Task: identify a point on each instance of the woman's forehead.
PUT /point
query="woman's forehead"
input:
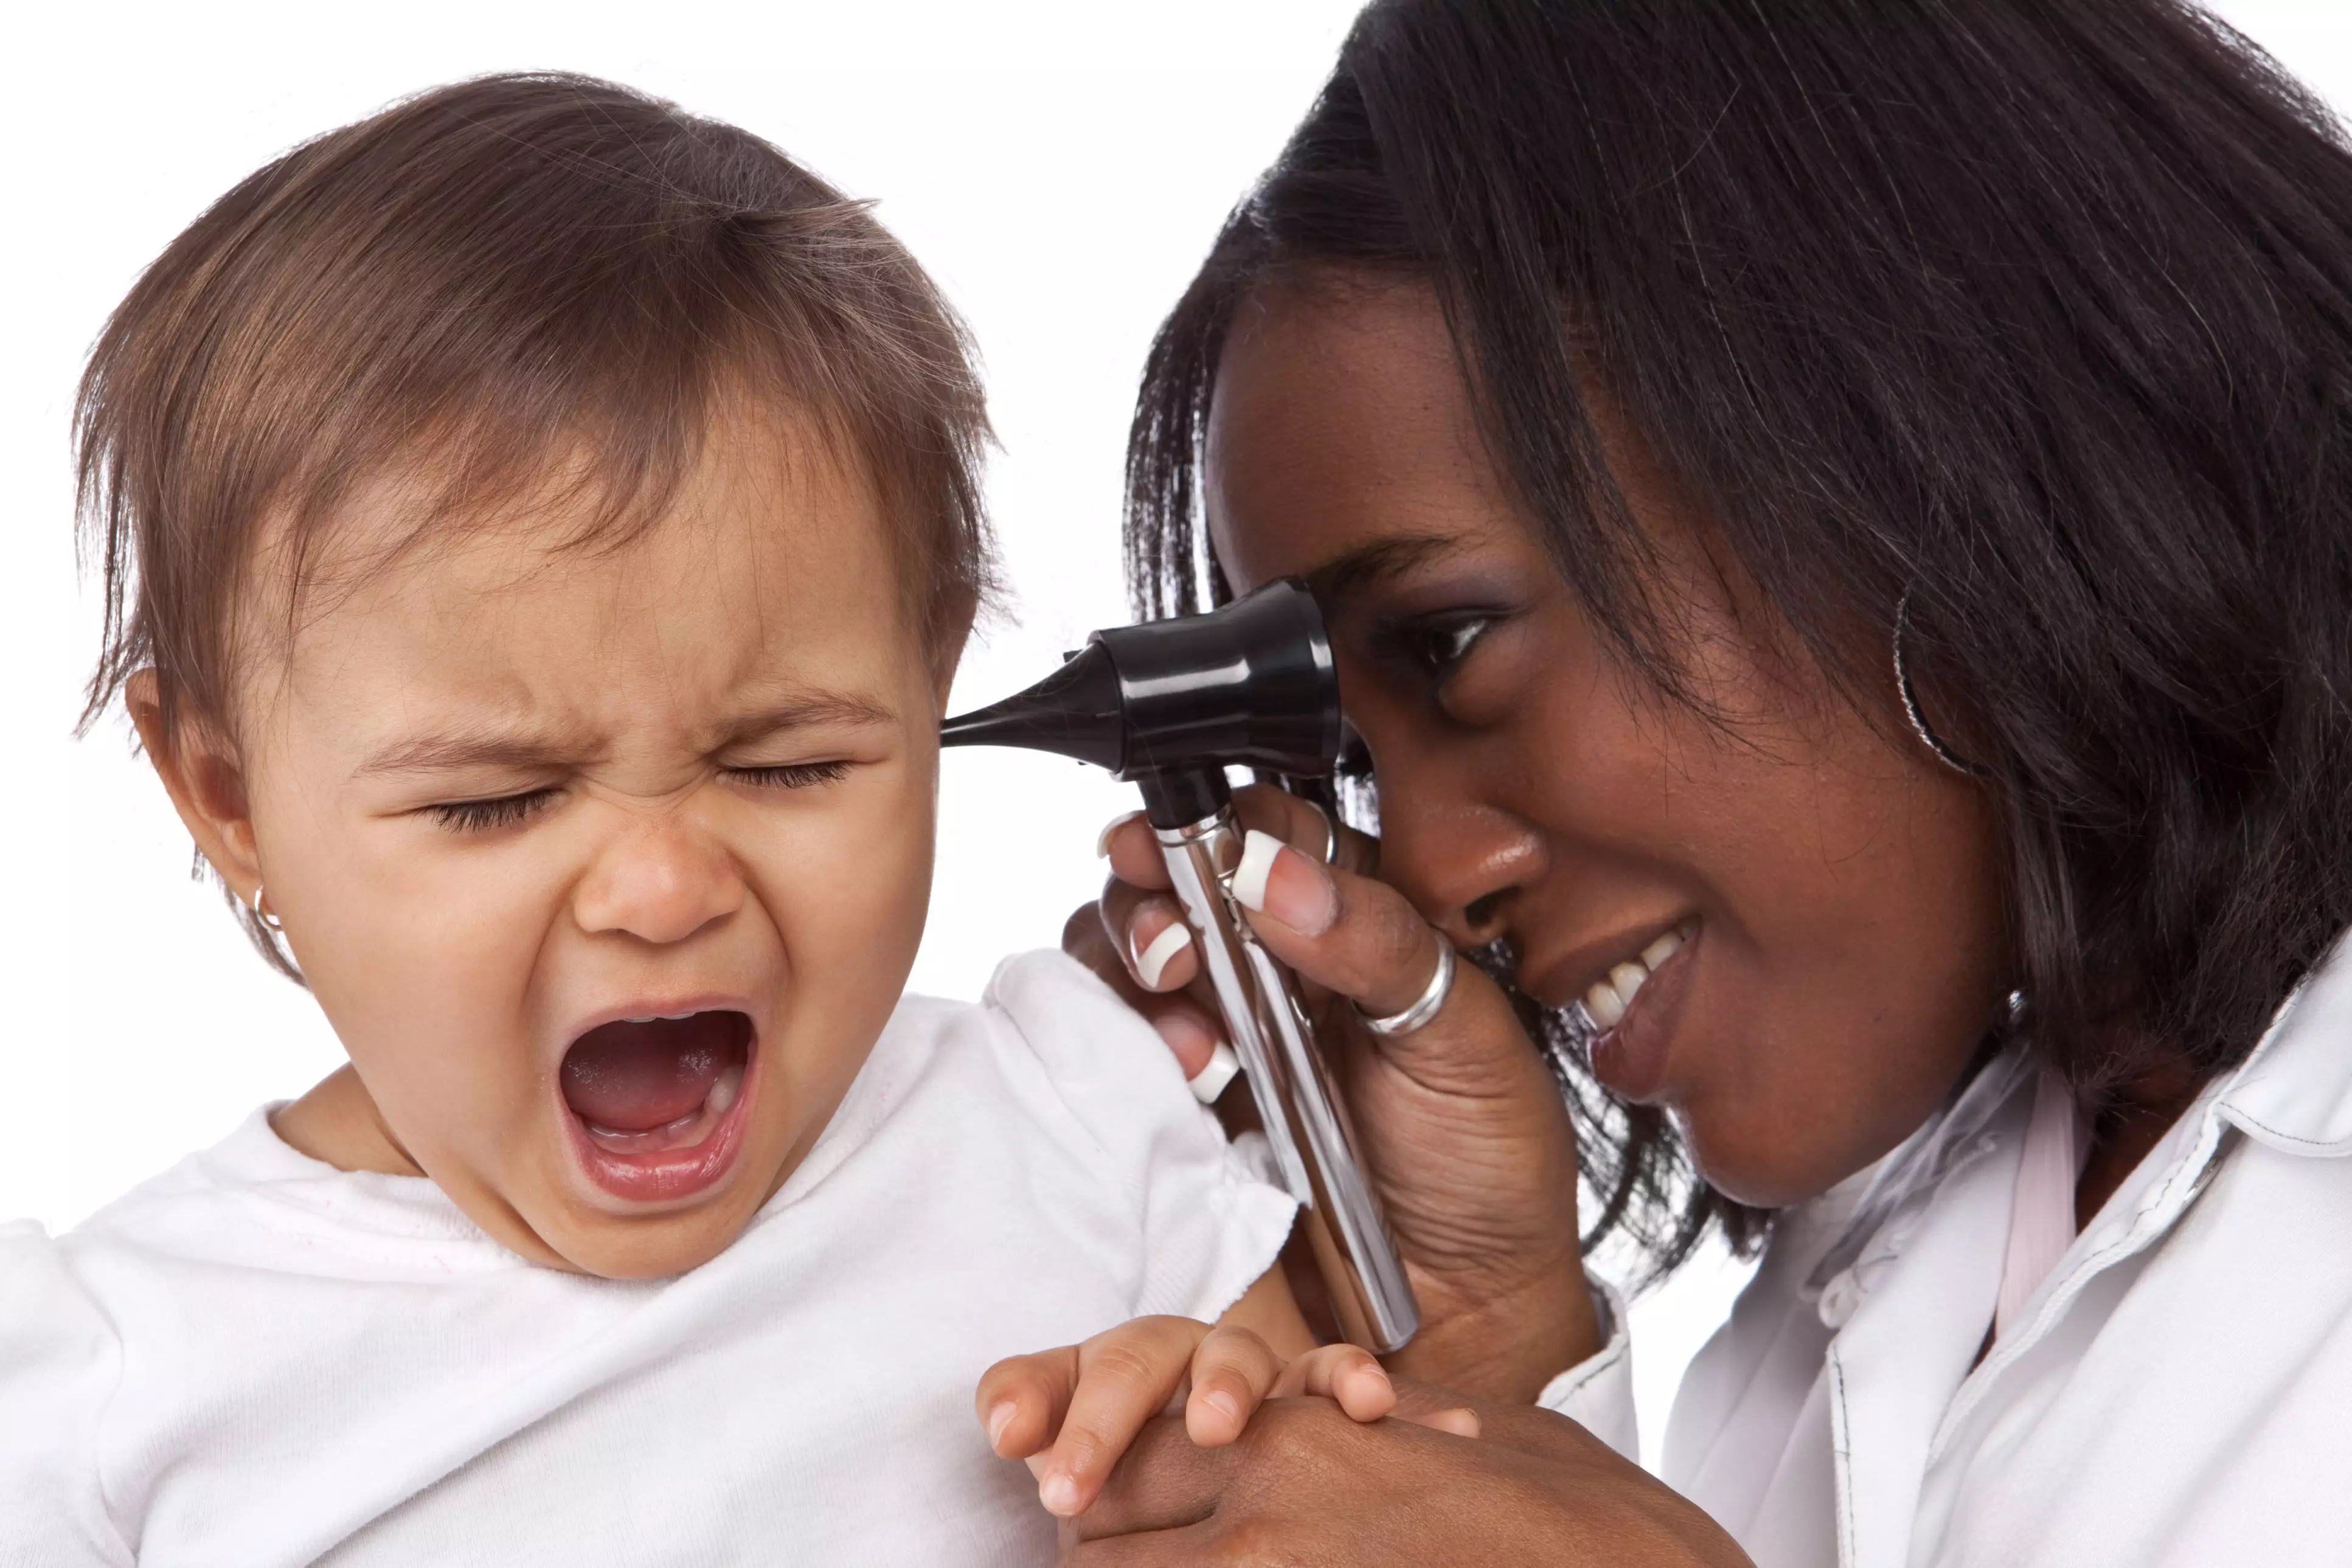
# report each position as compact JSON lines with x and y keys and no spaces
{"x":1340,"y":425}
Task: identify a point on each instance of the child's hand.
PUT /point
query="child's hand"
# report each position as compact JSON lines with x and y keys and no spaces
{"x":1072,"y":1412}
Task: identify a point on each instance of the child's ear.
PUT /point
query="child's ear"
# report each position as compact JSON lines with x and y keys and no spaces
{"x":200,"y":773}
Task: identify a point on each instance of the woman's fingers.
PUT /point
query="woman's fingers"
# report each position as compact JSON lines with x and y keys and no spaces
{"x":1183,"y":1020}
{"x":1133,"y":853}
{"x":1125,"y":1377}
{"x":1160,"y":951}
{"x":1304,"y":825}
{"x":1354,"y":935}
{"x":1232,"y":1372}
{"x":1141,"y":915}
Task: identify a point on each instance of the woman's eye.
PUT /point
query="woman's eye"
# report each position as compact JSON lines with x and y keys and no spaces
{"x":793,"y":776}
{"x":1438,"y":646}
{"x":485,"y":816}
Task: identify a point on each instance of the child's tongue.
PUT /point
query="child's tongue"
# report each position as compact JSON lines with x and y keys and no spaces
{"x":634,"y":1076}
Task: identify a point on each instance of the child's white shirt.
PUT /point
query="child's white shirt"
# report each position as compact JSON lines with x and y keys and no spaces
{"x":256,"y":1359}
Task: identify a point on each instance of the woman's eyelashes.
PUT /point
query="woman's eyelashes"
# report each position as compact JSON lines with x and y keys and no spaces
{"x":495,"y":812}
{"x":1434,"y":647}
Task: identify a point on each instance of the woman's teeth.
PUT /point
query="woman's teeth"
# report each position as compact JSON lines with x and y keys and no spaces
{"x":1607,"y":1000}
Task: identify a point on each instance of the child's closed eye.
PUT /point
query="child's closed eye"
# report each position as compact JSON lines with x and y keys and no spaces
{"x":487,"y":815}
{"x":792,"y":775}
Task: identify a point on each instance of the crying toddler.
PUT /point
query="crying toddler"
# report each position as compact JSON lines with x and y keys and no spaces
{"x":541,"y":527}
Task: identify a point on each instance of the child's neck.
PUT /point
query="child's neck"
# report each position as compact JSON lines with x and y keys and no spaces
{"x":338,"y":1122}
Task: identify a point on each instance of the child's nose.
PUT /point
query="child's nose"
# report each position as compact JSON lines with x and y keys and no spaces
{"x":660,"y":882}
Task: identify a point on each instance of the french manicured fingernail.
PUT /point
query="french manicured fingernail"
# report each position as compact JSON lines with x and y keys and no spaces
{"x":1278,"y":881}
{"x":1151,"y":962}
{"x":1224,"y":1405}
{"x":1059,"y":1493}
{"x":1189,"y":1039}
{"x":1000,"y":1416}
{"x":1102,"y":840}
{"x":1210,"y":1082}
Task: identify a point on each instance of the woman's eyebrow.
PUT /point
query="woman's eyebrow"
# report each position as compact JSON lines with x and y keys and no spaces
{"x":1368,"y":566}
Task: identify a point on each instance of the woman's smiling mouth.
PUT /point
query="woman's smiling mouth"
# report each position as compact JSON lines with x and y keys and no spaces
{"x":657,"y":1104}
{"x":1632,"y":1010}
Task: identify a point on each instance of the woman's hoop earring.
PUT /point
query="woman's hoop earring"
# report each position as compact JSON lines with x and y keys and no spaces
{"x":261,"y":910}
{"x":1944,"y":753}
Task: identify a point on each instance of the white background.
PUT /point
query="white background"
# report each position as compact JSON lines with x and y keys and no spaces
{"x":1059,"y":164}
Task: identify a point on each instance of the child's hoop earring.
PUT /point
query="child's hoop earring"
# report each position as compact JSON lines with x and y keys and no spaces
{"x":261,"y":910}
{"x":1928,"y":737}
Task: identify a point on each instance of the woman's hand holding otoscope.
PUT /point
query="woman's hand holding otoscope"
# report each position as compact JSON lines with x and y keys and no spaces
{"x":1459,"y":1124}
{"x":1450,"y":1126}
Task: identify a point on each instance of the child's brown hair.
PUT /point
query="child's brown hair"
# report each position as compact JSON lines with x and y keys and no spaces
{"x":483,"y":284}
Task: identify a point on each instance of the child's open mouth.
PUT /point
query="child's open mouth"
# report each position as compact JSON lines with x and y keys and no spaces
{"x":655,"y":1100}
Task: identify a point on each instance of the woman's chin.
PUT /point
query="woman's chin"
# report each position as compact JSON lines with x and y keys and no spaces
{"x":1749,"y":1160}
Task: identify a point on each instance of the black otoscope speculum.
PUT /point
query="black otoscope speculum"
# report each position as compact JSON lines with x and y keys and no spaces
{"x":1170,"y":705}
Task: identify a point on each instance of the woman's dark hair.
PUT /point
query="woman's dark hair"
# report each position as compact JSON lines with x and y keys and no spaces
{"x":2038,"y":310}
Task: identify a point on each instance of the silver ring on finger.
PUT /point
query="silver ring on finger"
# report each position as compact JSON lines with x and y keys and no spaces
{"x":1330,"y":832}
{"x":1427,"y":1006}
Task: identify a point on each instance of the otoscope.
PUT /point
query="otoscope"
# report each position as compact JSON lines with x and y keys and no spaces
{"x":1168,"y":705}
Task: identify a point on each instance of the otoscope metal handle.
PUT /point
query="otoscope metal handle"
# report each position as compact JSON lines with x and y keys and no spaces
{"x":1306,"y":1121}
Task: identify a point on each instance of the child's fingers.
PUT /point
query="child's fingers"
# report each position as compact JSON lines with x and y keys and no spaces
{"x":1345,"y":1374}
{"x":1461,"y":1420}
{"x":1426,"y":1405}
{"x":1125,"y":1376}
{"x":1021,"y":1400}
{"x":1232,"y":1372}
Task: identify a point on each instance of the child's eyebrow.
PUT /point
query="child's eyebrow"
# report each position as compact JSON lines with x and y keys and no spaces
{"x":461,"y":750}
{"x":807,"y":712}
{"x":449,"y":753}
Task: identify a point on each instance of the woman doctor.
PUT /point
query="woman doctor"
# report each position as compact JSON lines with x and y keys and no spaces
{"x":1836,"y":524}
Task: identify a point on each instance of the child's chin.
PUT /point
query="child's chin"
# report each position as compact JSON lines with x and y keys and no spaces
{"x":658,"y":1249}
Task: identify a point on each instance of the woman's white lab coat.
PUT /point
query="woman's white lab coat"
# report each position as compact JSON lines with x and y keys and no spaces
{"x":2178,"y":1390}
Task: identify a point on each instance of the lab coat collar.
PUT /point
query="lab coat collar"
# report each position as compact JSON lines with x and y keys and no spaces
{"x":2295,"y":1093}
{"x":1910,"y":1334}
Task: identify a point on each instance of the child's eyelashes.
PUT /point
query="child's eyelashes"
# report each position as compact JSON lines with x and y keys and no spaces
{"x":484,"y":816}
{"x":489,"y":815}
{"x":793,"y":776}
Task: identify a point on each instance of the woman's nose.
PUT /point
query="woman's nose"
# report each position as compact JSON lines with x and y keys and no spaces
{"x":659,"y":880}
{"x":1458,"y":862}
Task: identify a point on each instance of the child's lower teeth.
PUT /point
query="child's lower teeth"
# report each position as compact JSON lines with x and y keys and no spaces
{"x":683,"y":1132}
